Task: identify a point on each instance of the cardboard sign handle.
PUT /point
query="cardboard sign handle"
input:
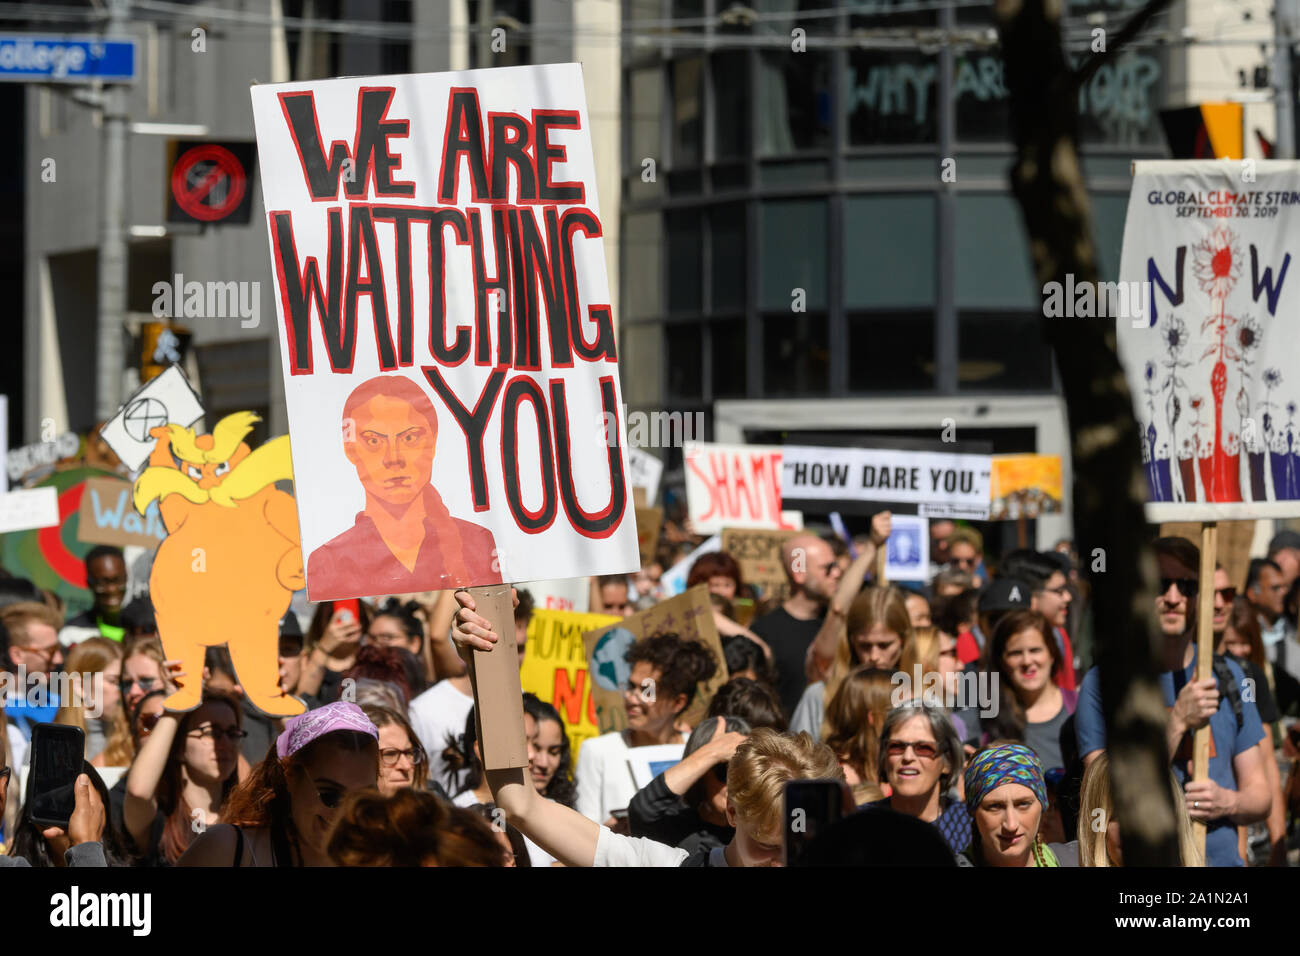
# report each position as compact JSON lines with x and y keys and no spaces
{"x":1204,"y":658}
{"x":494,"y":675}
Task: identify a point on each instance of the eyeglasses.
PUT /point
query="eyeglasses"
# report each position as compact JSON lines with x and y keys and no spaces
{"x":47,"y":654}
{"x":1060,"y":591}
{"x":1187,"y":587}
{"x":233,"y":734}
{"x":828,"y":568}
{"x":922,"y":748}
{"x":146,"y":684}
{"x":963,"y":562}
{"x":1228,"y":594}
{"x":390,"y":756}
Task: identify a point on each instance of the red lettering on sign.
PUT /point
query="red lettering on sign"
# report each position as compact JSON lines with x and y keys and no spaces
{"x":566,"y":698}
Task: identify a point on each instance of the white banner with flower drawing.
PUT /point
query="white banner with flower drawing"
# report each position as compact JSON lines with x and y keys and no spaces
{"x":1212,"y":355}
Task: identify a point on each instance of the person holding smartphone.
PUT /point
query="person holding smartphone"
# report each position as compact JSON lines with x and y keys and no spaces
{"x":333,"y":640}
{"x":77,"y":844}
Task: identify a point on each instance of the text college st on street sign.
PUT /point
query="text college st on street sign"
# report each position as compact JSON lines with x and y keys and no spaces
{"x":52,"y":59}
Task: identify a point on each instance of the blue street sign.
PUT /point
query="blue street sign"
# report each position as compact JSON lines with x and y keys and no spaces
{"x":52,"y":59}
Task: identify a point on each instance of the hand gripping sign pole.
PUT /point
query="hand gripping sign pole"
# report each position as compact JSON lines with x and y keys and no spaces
{"x":1204,"y":658}
{"x":494,"y":676}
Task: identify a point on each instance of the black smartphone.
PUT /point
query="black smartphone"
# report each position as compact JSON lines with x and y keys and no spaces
{"x":810,"y":807}
{"x":57,"y":757}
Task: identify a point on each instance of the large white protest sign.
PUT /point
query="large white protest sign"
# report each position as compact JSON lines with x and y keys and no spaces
{"x":1212,"y":355}
{"x":936,"y":484}
{"x":167,"y":399}
{"x":446,"y":330}
{"x":733,"y":486}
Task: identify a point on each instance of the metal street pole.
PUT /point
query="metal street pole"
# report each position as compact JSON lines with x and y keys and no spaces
{"x":1283,"y":96}
{"x":112,"y":236}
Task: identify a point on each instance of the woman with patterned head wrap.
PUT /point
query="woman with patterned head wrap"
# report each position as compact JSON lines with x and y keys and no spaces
{"x":1006,"y":796}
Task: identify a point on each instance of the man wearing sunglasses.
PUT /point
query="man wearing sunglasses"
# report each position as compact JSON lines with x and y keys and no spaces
{"x":29,"y":653}
{"x":1237,"y":789}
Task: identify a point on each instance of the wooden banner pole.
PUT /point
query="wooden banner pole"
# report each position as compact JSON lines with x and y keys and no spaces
{"x":1204,"y":657}
{"x":494,"y":675}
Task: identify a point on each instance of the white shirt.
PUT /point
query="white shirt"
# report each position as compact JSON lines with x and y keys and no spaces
{"x":436,"y":715}
{"x":603,"y":778}
{"x":613,"y":849}
{"x":810,"y":710}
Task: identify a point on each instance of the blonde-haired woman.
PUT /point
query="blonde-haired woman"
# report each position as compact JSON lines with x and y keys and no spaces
{"x":853,"y":721}
{"x":876,"y":631}
{"x":1099,"y":829}
{"x":94,"y":669}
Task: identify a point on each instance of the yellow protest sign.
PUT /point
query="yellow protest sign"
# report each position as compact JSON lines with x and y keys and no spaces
{"x":555,"y":669}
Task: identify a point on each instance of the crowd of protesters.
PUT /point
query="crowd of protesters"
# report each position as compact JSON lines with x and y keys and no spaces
{"x":960,"y":716}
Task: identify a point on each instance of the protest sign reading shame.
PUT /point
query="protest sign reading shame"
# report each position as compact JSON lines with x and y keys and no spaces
{"x":933,"y":484}
{"x":737,"y":486}
{"x":1211,"y":355}
{"x":445,"y":329}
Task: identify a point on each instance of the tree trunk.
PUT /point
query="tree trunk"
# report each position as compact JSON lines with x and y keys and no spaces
{"x":1109,"y":486}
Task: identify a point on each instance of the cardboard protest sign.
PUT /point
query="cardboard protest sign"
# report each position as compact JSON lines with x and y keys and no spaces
{"x":907,"y":552}
{"x":107,"y":516}
{"x":230,"y":562}
{"x":1025,"y":486}
{"x":931,"y":484}
{"x":644,"y":471}
{"x":737,"y":486}
{"x":446,"y":330}
{"x":555,"y":668}
{"x":648,"y":523}
{"x":28,"y":508}
{"x":758,"y":552}
{"x":168,"y":399}
{"x":1208,"y":325}
{"x":689,"y":616}
{"x":29,"y":464}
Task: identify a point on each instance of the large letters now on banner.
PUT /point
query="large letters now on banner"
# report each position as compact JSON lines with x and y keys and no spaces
{"x":446,"y":330}
{"x":1210,"y":341}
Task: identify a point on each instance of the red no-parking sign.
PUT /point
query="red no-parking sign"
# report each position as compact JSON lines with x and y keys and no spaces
{"x":210,"y":182}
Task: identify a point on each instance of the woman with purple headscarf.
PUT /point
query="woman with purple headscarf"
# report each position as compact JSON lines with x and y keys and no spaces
{"x":281,"y":815}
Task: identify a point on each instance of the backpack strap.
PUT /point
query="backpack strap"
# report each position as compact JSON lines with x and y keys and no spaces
{"x":1228,"y":688}
{"x":239,"y":845}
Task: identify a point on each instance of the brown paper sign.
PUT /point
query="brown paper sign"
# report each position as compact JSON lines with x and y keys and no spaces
{"x":758,"y":552}
{"x":688,"y":615}
{"x":107,"y":516}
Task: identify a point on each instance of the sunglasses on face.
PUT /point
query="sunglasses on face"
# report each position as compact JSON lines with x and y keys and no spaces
{"x":1228,"y":594}
{"x":146,"y":684}
{"x":923,"y":749}
{"x":1187,"y":587}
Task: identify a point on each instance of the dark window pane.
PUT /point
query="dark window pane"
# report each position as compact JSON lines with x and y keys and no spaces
{"x":889,"y":248}
{"x":796,"y":359}
{"x":640,"y":362}
{"x":794,"y":102}
{"x":685,"y":184}
{"x":730,"y":177}
{"x":979,"y":95}
{"x":731,"y":104}
{"x":688,"y":101}
{"x":727,"y":246}
{"x":992,"y":256}
{"x":1121,"y":102}
{"x":729,"y":342}
{"x":907,"y":339}
{"x":685,"y":258}
{"x":890,"y":97}
{"x":813,"y":171}
{"x":684,"y":344}
{"x":1000,"y":350}
{"x":794,"y":253}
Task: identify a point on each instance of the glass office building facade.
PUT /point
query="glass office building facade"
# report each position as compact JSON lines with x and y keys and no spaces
{"x":788,"y":227}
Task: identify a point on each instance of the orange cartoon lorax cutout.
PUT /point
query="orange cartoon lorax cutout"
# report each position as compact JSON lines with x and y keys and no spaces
{"x":231,"y":559}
